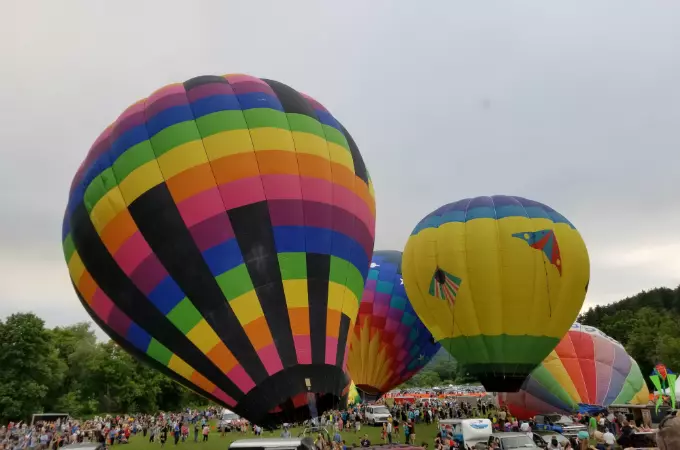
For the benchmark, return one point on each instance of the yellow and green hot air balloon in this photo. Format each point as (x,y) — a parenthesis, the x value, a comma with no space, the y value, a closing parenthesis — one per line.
(498,281)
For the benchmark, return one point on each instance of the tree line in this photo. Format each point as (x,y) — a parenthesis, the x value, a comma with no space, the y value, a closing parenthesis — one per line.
(442,370)
(647,324)
(65,370)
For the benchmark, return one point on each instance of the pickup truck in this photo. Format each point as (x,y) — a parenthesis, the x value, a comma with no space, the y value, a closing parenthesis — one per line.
(557,422)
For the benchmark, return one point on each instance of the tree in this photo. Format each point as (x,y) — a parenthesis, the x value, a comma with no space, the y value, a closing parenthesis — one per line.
(65,369)
(647,324)
(29,366)
(75,344)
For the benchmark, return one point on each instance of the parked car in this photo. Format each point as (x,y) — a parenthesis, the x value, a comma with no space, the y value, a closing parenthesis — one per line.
(557,422)
(377,414)
(512,440)
(228,420)
(543,437)
(274,444)
(468,432)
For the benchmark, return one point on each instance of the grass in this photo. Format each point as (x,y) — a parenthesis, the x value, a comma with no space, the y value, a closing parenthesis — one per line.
(424,433)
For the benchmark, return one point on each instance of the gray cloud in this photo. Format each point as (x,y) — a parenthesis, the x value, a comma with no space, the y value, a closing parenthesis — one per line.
(572,103)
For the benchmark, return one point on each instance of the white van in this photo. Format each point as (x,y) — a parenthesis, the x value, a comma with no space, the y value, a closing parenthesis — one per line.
(228,420)
(377,414)
(274,444)
(469,432)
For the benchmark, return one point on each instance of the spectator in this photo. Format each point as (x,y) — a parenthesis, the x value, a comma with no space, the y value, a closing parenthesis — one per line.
(164,435)
(609,438)
(668,437)
(365,442)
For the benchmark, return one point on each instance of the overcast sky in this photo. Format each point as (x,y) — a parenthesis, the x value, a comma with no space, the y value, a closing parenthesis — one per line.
(572,103)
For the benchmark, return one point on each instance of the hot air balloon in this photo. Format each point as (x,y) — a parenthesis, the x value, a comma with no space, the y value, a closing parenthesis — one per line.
(221,230)
(587,367)
(498,281)
(353,396)
(389,344)
(664,380)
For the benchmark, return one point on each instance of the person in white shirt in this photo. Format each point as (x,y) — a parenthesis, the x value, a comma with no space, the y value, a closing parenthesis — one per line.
(609,438)
(525,428)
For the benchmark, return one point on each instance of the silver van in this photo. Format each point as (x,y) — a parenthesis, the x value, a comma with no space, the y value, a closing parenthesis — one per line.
(299,443)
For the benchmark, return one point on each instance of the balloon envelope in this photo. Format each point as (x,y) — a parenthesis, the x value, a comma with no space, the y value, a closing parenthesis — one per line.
(221,230)
(353,396)
(498,281)
(389,344)
(586,367)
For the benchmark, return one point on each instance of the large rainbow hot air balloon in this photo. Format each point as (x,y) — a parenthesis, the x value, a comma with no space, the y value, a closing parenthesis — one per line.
(498,281)
(389,344)
(586,367)
(221,230)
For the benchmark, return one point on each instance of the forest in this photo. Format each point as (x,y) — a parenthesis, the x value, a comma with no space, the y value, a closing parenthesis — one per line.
(65,369)
(647,324)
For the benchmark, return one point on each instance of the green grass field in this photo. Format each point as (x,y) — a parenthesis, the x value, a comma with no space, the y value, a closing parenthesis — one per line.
(424,433)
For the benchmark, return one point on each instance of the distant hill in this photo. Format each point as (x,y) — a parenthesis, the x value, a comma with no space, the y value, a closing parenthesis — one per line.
(647,324)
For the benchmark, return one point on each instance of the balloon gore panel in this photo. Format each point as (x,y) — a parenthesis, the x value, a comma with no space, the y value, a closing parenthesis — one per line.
(587,367)
(389,344)
(221,231)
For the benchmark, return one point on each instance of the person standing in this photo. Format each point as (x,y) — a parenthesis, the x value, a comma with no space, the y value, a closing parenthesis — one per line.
(164,435)
(176,432)
(554,445)
(592,426)
(389,430)
(206,431)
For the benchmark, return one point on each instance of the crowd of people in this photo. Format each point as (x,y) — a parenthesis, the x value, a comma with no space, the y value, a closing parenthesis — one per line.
(403,418)
(604,431)
(107,430)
